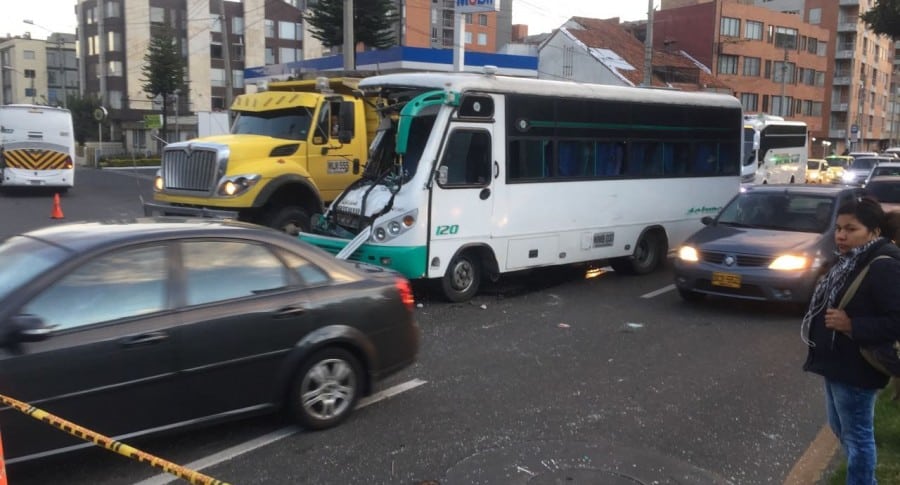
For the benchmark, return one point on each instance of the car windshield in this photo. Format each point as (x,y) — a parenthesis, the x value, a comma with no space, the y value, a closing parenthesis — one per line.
(885,191)
(864,163)
(836,162)
(21,259)
(779,211)
(290,124)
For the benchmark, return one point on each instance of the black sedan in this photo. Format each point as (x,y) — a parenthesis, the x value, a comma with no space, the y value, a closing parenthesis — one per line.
(133,328)
(769,242)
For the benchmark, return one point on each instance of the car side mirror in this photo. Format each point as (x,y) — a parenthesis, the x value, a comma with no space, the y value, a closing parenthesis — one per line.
(707,220)
(26,328)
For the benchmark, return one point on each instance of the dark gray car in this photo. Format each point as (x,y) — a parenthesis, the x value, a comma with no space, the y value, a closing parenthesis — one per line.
(132,328)
(770,242)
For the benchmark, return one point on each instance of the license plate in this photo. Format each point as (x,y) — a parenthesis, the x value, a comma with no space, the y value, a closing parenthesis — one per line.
(729,280)
(36,182)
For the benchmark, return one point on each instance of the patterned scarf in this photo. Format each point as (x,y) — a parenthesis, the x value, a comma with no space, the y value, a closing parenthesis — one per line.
(825,295)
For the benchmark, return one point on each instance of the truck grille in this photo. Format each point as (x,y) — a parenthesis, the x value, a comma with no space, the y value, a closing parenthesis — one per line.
(193,170)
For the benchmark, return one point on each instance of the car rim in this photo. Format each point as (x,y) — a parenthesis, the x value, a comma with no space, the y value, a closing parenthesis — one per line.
(328,389)
(462,275)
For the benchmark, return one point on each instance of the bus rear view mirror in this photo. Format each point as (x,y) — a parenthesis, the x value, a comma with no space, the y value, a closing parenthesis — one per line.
(442,174)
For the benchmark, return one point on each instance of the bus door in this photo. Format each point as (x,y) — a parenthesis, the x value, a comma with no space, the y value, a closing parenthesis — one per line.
(463,192)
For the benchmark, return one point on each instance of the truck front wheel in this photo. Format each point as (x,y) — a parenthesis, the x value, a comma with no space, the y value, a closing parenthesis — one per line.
(289,219)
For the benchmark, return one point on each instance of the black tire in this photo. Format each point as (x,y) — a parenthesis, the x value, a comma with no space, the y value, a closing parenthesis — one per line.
(648,255)
(688,295)
(290,219)
(462,279)
(331,381)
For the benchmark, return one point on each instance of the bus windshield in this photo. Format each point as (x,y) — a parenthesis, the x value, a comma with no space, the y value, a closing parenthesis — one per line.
(290,124)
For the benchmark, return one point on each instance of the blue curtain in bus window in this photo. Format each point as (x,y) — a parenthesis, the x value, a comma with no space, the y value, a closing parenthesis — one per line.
(609,159)
(567,159)
(729,158)
(644,159)
(680,158)
(704,162)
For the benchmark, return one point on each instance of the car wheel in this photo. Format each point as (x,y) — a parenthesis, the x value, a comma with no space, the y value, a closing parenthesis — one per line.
(688,295)
(326,389)
(291,219)
(462,279)
(648,254)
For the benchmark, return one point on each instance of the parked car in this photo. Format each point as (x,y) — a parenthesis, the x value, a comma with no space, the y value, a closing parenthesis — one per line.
(886,188)
(770,242)
(816,171)
(860,168)
(132,328)
(886,168)
(837,164)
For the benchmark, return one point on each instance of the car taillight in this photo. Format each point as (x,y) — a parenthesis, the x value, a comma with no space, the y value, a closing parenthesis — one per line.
(406,294)
(69,163)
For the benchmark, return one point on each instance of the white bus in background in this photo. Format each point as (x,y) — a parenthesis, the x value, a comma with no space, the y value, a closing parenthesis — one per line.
(474,175)
(37,147)
(775,150)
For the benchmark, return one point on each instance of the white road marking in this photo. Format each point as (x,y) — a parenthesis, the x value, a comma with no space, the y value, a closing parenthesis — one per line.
(267,439)
(660,291)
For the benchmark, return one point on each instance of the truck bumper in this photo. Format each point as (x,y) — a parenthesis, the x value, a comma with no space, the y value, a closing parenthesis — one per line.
(152,209)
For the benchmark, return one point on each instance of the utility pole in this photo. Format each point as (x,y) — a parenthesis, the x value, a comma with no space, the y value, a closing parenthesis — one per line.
(648,47)
(349,47)
(226,52)
(860,133)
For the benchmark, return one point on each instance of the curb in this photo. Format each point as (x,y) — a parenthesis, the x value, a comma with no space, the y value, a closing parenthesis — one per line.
(815,460)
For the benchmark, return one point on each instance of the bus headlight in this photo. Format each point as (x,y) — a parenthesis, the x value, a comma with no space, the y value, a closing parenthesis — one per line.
(689,254)
(237,184)
(380,234)
(789,262)
(395,226)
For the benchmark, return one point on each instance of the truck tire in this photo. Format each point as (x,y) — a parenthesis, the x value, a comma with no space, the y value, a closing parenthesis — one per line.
(291,219)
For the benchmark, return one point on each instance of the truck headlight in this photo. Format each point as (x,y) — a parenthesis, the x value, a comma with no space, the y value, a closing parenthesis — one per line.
(789,262)
(237,184)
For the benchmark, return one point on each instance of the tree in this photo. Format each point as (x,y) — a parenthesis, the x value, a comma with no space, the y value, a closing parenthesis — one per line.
(373,22)
(163,69)
(82,109)
(884,18)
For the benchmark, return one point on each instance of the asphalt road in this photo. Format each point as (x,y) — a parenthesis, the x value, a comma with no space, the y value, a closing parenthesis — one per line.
(544,378)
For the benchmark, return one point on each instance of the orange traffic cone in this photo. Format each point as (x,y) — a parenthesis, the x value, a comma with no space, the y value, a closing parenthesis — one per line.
(56,214)
(2,465)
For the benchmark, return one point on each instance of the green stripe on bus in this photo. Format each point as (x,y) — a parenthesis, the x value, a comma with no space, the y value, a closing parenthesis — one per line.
(578,124)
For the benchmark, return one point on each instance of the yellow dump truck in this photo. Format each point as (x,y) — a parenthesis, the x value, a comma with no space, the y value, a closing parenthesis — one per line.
(292,149)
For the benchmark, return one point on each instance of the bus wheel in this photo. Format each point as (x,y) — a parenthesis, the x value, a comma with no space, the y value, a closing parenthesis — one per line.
(648,253)
(462,279)
(291,220)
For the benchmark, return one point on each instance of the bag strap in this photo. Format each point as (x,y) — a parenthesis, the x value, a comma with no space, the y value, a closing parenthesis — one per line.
(854,285)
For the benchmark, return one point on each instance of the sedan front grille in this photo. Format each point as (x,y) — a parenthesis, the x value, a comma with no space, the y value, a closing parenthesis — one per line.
(745,260)
(190,170)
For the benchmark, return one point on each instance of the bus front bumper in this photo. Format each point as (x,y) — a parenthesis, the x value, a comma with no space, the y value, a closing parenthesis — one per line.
(406,260)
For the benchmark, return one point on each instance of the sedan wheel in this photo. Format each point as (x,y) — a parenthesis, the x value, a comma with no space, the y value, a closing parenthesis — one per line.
(326,389)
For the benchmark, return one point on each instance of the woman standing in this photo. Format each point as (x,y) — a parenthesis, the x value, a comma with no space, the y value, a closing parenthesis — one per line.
(834,336)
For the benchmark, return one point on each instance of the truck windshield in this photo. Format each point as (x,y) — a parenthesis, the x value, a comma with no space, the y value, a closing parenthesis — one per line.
(382,156)
(290,124)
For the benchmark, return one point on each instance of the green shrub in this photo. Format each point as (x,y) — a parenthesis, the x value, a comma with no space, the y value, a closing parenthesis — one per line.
(129,162)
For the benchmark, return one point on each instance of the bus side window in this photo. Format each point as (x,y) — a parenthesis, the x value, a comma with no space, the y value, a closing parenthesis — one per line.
(609,159)
(704,159)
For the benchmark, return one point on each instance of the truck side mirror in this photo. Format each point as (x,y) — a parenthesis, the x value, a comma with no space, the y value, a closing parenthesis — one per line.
(346,121)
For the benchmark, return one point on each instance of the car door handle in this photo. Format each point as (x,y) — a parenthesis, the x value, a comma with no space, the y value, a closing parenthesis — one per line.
(290,311)
(144,339)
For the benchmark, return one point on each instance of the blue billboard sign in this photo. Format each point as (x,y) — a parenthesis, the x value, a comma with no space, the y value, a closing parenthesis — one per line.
(469,6)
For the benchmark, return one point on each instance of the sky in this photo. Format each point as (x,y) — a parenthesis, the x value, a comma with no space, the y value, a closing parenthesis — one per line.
(539,15)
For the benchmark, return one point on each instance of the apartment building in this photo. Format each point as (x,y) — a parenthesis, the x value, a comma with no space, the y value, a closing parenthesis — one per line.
(38,71)
(775,62)
(430,23)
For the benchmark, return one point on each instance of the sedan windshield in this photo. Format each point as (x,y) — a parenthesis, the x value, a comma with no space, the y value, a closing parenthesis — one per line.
(779,211)
(22,259)
(885,191)
(289,124)
(864,163)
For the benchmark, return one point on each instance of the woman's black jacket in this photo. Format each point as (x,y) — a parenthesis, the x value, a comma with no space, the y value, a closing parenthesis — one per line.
(874,313)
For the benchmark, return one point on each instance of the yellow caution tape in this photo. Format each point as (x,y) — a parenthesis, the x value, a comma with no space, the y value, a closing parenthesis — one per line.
(110,444)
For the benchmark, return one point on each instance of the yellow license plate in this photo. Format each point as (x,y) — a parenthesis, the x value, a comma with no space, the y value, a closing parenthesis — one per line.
(728,280)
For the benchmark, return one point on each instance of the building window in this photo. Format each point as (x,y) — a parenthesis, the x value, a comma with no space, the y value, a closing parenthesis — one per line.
(289,31)
(28,55)
(749,101)
(114,41)
(114,69)
(287,54)
(482,19)
(215,25)
(812,45)
(157,15)
(482,39)
(90,15)
(785,38)
(751,66)
(783,72)
(237,25)
(139,139)
(270,29)
(29,74)
(237,78)
(217,77)
(468,37)
(728,64)
(469,18)
(115,99)
(778,102)
(730,27)
(815,16)
(753,30)
(237,52)
(270,56)
(112,9)
(215,50)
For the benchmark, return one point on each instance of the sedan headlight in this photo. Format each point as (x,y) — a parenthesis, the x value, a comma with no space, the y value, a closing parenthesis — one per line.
(688,253)
(789,262)
(237,184)
(848,176)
